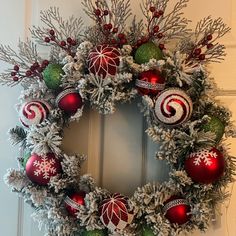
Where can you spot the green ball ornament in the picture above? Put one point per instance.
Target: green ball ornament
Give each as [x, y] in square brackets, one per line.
[216, 126]
[25, 158]
[146, 52]
[147, 231]
[52, 76]
[96, 232]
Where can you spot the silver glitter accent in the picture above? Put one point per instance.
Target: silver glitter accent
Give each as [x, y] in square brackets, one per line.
[72, 203]
[148, 85]
[64, 93]
[174, 203]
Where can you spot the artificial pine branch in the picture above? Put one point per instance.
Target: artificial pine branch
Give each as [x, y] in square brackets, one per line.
[17, 135]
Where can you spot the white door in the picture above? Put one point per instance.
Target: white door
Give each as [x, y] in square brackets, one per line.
[113, 143]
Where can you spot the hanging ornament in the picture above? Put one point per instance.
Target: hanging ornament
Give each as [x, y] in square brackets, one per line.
[146, 52]
[52, 76]
[205, 166]
[114, 212]
[73, 201]
[69, 101]
[25, 158]
[33, 112]
[40, 169]
[177, 210]
[150, 83]
[96, 232]
[173, 107]
[104, 61]
[216, 126]
[147, 231]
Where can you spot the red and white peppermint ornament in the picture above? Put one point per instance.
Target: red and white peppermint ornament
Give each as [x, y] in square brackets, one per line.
[33, 112]
[40, 169]
[114, 212]
[104, 60]
[205, 166]
[173, 107]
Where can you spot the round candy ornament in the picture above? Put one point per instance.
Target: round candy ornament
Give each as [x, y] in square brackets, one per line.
[216, 126]
[73, 201]
[104, 60]
[96, 232]
[114, 212]
[40, 169]
[150, 83]
[146, 52]
[34, 112]
[177, 210]
[173, 107]
[52, 76]
[205, 166]
[69, 101]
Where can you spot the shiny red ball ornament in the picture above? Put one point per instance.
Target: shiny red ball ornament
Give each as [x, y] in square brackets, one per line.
[73, 201]
[114, 212]
[205, 166]
[69, 101]
[150, 83]
[177, 210]
[104, 60]
[40, 169]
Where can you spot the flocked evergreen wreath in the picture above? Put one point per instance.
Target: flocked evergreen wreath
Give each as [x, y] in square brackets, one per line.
[104, 65]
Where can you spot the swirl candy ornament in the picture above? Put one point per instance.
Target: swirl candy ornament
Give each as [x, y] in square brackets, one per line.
[33, 112]
[173, 107]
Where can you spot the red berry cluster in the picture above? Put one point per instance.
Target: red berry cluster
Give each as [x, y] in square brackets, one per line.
[34, 70]
[64, 44]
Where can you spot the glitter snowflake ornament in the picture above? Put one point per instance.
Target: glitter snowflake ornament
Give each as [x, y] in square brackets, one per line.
[40, 169]
[205, 166]
[104, 60]
[114, 212]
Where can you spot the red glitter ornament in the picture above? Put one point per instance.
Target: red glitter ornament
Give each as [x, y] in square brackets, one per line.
[40, 169]
[73, 201]
[150, 83]
[104, 60]
[205, 166]
[69, 101]
[177, 210]
[114, 213]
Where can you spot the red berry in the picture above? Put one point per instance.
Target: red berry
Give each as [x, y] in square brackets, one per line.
[156, 14]
[53, 38]
[209, 46]
[15, 78]
[13, 73]
[36, 64]
[63, 43]
[197, 51]
[32, 68]
[139, 42]
[47, 39]
[161, 46]
[155, 28]
[69, 40]
[16, 68]
[121, 36]
[202, 57]
[160, 12]
[152, 9]
[115, 30]
[105, 27]
[39, 69]
[209, 37]
[109, 26]
[52, 32]
[123, 41]
[113, 41]
[105, 12]
[28, 73]
[73, 43]
[45, 63]
[144, 39]
[160, 35]
[97, 12]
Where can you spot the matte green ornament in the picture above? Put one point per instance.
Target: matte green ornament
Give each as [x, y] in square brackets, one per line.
[52, 76]
[96, 232]
[216, 126]
[25, 158]
[147, 231]
[146, 52]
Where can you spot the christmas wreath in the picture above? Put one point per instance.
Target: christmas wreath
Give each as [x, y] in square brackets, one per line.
[104, 65]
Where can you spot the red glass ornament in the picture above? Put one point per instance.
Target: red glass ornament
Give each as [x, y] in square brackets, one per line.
[73, 201]
[205, 166]
[114, 213]
[40, 169]
[150, 83]
[69, 101]
[177, 210]
[104, 60]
